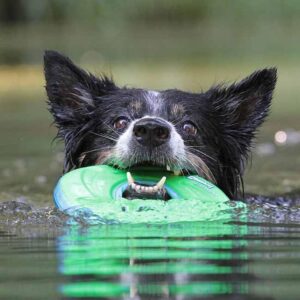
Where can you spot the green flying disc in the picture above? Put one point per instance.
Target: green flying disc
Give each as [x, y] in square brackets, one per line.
[100, 189]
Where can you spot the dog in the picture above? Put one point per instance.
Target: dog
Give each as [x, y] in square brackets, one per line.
[209, 133]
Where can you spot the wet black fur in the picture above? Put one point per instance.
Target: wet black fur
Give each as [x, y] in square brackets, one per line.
[227, 117]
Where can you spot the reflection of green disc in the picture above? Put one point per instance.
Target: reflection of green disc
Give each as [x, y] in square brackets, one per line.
[100, 189]
[96, 260]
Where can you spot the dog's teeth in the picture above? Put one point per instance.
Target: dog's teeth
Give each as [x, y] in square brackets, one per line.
[168, 168]
[177, 172]
[130, 178]
[146, 189]
[161, 183]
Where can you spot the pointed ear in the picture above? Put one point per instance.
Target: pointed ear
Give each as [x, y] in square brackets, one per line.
[236, 113]
[71, 91]
[243, 106]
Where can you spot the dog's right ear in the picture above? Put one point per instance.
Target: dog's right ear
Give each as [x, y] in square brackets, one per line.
[72, 92]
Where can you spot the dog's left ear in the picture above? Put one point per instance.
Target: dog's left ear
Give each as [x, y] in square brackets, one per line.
[236, 112]
[243, 106]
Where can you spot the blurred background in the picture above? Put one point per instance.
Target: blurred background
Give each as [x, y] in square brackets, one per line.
[153, 44]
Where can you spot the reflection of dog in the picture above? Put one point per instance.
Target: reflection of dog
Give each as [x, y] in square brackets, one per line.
[205, 133]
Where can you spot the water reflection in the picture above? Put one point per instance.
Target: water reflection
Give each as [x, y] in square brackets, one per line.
[176, 261]
[207, 260]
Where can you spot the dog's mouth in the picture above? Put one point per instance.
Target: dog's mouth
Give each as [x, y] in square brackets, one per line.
[142, 190]
[138, 190]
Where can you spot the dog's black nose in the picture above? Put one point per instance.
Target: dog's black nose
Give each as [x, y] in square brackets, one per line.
[151, 132]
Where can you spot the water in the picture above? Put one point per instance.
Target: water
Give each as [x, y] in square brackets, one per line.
[46, 254]
[200, 260]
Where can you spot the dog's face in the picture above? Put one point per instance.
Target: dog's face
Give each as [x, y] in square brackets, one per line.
[209, 133]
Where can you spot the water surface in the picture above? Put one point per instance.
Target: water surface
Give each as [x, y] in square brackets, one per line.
[200, 260]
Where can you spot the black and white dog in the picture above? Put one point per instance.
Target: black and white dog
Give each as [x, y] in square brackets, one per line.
[209, 133]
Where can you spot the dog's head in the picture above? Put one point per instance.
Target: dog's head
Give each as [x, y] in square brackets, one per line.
[209, 133]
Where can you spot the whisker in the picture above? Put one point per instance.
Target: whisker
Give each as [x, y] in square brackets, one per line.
[105, 136]
[94, 150]
[201, 152]
[199, 165]
[111, 128]
[176, 122]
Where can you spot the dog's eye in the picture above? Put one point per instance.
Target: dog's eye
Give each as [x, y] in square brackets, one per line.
[121, 123]
[189, 128]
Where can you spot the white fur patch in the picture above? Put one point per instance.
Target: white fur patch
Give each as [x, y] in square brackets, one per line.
[122, 146]
[154, 93]
[154, 101]
[176, 144]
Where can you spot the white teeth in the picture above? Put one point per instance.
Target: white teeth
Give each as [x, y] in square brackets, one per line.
[177, 172]
[155, 188]
[161, 183]
[147, 189]
[168, 168]
[130, 178]
[150, 189]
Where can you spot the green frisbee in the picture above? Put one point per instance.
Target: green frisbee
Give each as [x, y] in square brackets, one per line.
[100, 189]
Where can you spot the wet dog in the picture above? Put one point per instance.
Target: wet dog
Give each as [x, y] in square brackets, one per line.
[208, 133]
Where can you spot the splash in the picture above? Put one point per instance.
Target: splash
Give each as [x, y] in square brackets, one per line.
[154, 211]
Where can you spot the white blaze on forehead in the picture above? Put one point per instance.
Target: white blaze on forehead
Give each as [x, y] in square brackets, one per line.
[176, 142]
[154, 93]
[154, 101]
